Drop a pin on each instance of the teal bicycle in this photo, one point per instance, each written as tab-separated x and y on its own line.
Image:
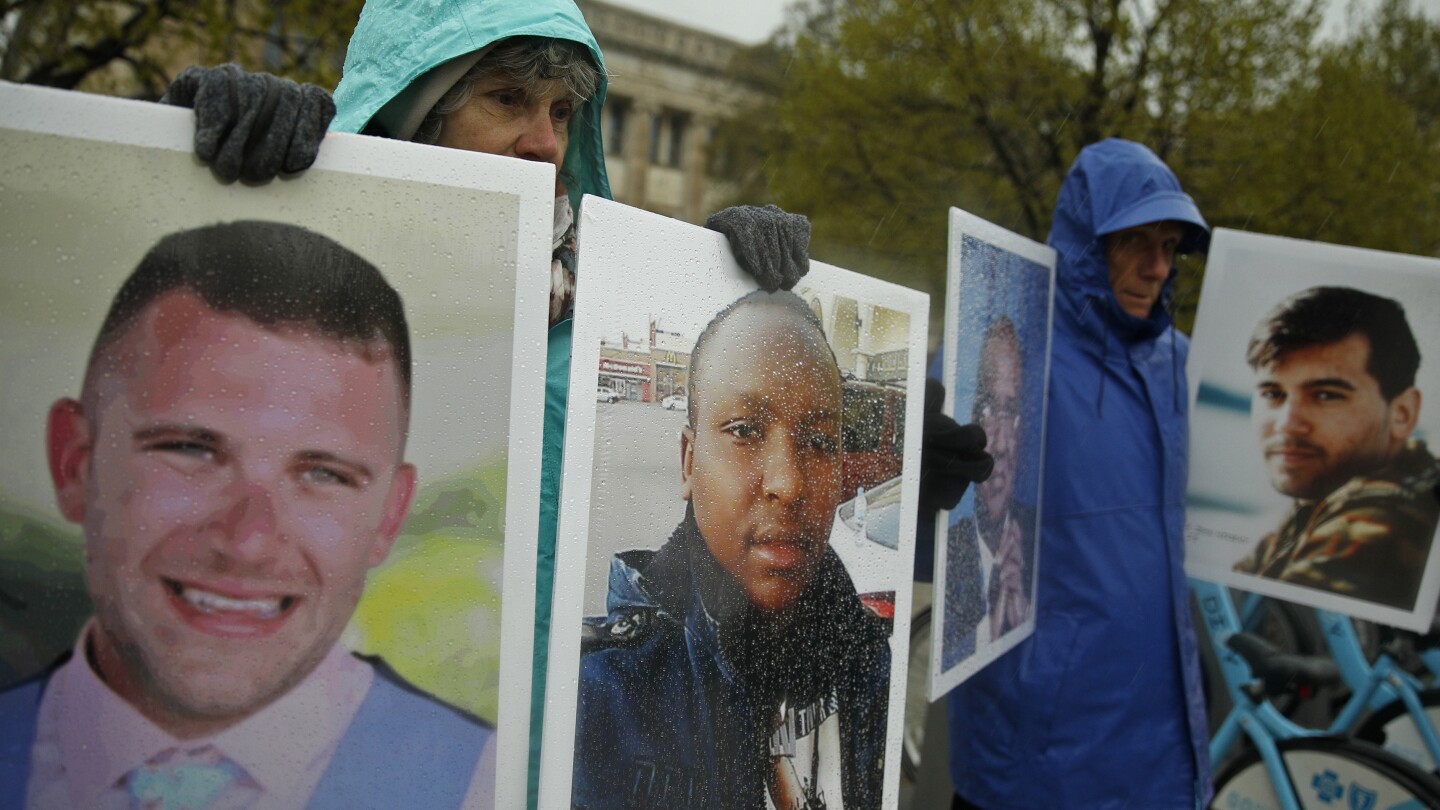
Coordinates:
1288	766
1403	714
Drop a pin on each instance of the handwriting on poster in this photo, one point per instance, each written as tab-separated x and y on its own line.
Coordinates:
1195	532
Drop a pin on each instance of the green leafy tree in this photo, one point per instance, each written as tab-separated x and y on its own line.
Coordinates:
135	47
1348	153
884	113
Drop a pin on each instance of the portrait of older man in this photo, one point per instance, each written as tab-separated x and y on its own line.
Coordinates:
736	665
236	462
1334	407
993	550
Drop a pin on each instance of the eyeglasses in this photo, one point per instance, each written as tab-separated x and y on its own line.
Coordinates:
1001	414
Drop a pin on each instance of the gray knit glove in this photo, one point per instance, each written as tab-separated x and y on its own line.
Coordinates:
770	244
252	126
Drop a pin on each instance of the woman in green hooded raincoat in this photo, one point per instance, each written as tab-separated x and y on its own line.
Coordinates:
417	70
404	60
403	57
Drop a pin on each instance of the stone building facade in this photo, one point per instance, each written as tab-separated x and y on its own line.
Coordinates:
871	343
668	91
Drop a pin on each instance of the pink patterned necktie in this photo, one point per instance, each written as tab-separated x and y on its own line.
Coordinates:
181	780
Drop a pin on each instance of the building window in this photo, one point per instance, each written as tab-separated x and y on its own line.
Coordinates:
720	157
617	113
667	138
678	122
657	125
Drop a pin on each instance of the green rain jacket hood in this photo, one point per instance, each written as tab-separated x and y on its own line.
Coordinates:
398	41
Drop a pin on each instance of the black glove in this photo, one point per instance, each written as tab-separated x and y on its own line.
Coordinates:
770	244
252	125
952	455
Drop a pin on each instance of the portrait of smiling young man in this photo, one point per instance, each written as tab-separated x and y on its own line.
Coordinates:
1334	408
236	462
236	484
736	665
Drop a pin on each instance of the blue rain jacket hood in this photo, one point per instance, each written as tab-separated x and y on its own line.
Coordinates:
1102	706
1114	185
398	41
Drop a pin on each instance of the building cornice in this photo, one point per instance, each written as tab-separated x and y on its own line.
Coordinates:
654	38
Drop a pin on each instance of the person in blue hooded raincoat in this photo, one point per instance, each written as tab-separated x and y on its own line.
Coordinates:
1102	707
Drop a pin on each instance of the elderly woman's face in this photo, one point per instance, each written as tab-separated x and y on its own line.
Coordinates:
501	118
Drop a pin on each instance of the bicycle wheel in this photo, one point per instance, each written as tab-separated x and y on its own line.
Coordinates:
917	695
1391	728
1327	773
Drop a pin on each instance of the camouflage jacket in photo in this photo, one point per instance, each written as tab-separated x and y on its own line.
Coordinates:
1369	539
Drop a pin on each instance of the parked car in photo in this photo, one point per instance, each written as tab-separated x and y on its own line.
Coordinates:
872	517
873	435
603	394
675	402
866	536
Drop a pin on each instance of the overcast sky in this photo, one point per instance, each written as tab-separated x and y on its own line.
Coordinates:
748	21
751	21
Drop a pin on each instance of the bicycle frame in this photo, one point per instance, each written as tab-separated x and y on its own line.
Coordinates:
1261	722
1373	685
1383	681
1430	656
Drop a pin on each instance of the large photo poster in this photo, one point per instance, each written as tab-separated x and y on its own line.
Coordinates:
998	309
272	468
737	539
1311	475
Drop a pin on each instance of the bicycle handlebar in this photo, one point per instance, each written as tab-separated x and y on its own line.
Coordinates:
1281	671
